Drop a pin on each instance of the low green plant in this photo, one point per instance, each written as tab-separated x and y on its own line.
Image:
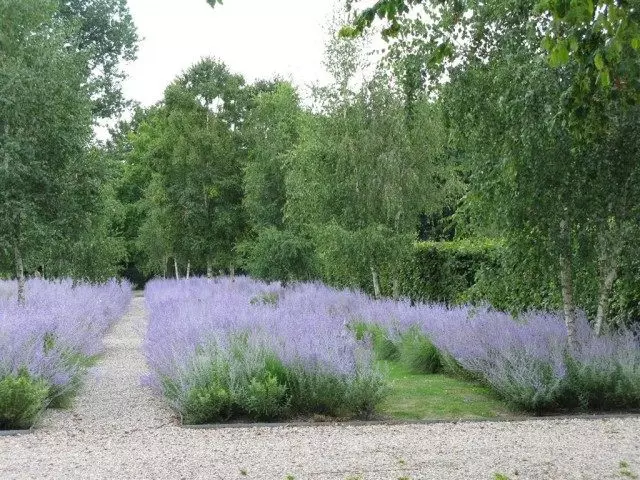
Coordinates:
266	398
384	347
418	353
205	404
245	380
625	471
22	398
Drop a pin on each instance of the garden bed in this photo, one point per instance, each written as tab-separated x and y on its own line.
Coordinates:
48	343
225	351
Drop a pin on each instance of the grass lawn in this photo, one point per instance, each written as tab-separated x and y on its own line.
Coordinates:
437	397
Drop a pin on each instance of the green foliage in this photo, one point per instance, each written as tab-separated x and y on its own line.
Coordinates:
22	398
106	32
270	132
346	258
418	353
205	404
248	381
279	255
384	347
266	398
446	271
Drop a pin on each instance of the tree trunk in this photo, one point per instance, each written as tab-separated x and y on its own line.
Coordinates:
19	274
188	269
566	282
604	297
376	283
209	269
232	272
396	288
175	267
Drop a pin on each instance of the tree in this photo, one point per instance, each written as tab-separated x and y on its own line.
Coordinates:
270	132
45	120
363	172
105	33
192	148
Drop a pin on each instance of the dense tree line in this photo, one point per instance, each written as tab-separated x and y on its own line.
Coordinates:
59	74
502	123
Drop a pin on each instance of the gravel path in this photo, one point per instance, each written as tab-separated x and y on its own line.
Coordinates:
118	430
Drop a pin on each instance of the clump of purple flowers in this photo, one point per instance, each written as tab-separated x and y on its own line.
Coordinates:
220	349
258	350
525	360
47	343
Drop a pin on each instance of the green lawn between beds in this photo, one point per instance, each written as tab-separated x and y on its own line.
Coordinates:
436	397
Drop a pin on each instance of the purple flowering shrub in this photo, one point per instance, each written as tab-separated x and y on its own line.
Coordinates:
47	343
219	349
526	361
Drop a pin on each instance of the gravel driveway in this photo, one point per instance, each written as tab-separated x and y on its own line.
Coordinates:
118	429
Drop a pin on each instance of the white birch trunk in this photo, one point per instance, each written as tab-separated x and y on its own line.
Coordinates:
209	269
376	283
604	297
19	274
566	282
396	288
175	267
188	269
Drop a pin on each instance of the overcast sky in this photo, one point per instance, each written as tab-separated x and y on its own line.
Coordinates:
257	38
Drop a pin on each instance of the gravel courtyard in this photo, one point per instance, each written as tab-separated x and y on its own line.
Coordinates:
118	429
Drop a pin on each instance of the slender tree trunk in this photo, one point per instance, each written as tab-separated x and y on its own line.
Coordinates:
188	269
232	272
396	288
376	283
175	267
604	297
566	282
19	274
209	269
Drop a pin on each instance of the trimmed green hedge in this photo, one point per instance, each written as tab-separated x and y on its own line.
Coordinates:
446	271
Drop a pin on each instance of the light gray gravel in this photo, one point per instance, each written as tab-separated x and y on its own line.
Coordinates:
119	430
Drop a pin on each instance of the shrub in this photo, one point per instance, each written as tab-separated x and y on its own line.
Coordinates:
22	398
56	334
418	353
384	347
445	271
279	360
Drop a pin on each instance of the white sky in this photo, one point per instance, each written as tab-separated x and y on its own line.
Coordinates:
256	38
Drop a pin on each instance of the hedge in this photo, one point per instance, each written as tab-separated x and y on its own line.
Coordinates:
446	271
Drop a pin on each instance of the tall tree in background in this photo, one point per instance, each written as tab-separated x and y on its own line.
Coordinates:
364	171
59	72
105	32
539	88
45	122
191	149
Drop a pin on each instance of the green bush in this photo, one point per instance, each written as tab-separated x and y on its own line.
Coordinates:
418	353
205	404
445	271
279	255
266	398
384	347
244	380
22	398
